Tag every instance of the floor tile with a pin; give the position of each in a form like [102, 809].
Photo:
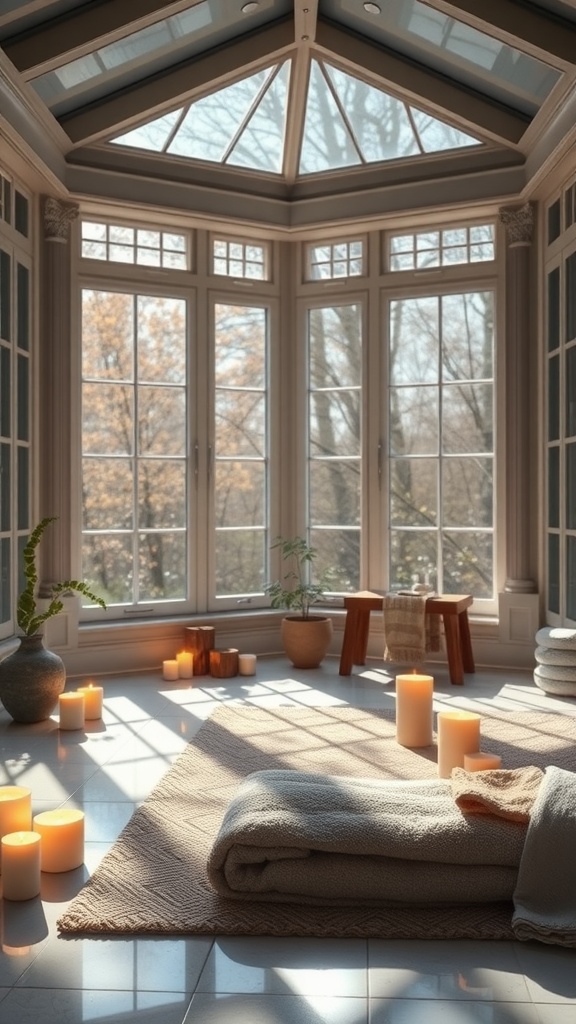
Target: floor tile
[66, 1006]
[274, 1009]
[143, 965]
[415, 1011]
[550, 972]
[290, 966]
[446, 970]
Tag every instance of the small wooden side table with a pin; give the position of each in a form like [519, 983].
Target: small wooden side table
[452, 607]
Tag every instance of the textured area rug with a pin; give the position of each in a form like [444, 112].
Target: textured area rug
[153, 880]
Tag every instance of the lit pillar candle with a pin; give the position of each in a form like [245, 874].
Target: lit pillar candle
[62, 835]
[414, 717]
[185, 664]
[170, 669]
[93, 698]
[15, 809]
[458, 735]
[71, 710]
[481, 761]
[247, 664]
[20, 865]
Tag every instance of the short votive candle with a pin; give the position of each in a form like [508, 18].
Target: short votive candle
[93, 700]
[170, 669]
[15, 809]
[71, 710]
[414, 710]
[62, 834]
[458, 735]
[247, 664]
[481, 761]
[185, 660]
[20, 865]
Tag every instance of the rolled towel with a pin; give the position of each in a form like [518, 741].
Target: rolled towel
[507, 793]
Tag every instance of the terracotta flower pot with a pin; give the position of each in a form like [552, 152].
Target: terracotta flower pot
[306, 641]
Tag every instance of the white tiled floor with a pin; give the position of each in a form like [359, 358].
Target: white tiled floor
[108, 769]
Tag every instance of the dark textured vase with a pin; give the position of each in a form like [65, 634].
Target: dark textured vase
[31, 680]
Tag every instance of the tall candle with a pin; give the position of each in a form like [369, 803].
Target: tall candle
[185, 664]
[170, 669]
[481, 761]
[15, 809]
[93, 699]
[62, 834]
[71, 710]
[20, 865]
[414, 717]
[458, 735]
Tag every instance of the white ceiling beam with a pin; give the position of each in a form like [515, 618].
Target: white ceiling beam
[305, 21]
[166, 91]
[519, 24]
[427, 89]
[64, 39]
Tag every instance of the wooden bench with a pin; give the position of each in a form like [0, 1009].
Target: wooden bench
[452, 607]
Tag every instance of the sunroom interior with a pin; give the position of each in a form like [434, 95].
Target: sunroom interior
[287, 268]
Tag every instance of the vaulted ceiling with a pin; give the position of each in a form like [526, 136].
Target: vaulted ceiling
[290, 112]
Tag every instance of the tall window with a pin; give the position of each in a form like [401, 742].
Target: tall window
[134, 440]
[440, 428]
[334, 439]
[15, 394]
[241, 471]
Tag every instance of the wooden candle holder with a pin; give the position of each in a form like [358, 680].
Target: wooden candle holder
[224, 664]
[200, 640]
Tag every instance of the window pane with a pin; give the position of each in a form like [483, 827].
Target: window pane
[5, 392]
[5, 487]
[467, 492]
[570, 391]
[414, 341]
[108, 560]
[23, 418]
[413, 421]
[570, 286]
[467, 336]
[239, 494]
[161, 339]
[571, 486]
[571, 577]
[338, 550]
[413, 492]
[5, 580]
[161, 421]
[335, 493]
[23, 511]
[162, 566]
[554, 487]
[108, 497]
[334, 423]
[240, 561]
[23, 307]
[554, 573]
[554, 309]
[468, 561]
[467, 418]
[240, 422]
[107, 336]
[554, 398]
[107, 419]
[413, 558]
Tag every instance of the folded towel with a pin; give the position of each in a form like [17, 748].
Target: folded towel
[504, 792]
[545, 894]
[409, 633]
[303, 837]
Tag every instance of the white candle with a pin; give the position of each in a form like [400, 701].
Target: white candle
[481, 761]
[62, 834]
[185, 662]
[93, 698]
[247, 664]
[170, 669]
[71, 709]
[414, 717]
[458, 735]
[15, 809]
[20, 865]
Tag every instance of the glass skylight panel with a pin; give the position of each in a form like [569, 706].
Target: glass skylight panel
[261, 144]
[326, 143]
[453, 48]
[149, 50]
[347, 122]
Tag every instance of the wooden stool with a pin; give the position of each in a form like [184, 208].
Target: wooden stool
[452, 607]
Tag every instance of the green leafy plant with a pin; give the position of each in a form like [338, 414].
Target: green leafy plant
[29, 619]
[297, 591]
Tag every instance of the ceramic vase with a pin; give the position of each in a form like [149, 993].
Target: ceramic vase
[31, 680]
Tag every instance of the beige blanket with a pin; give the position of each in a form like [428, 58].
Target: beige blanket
[508, 793]
[545, 895]
[409, 633]
[304, 837]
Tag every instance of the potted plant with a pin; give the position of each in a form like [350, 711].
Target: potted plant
[32, 678]
[305, 636]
